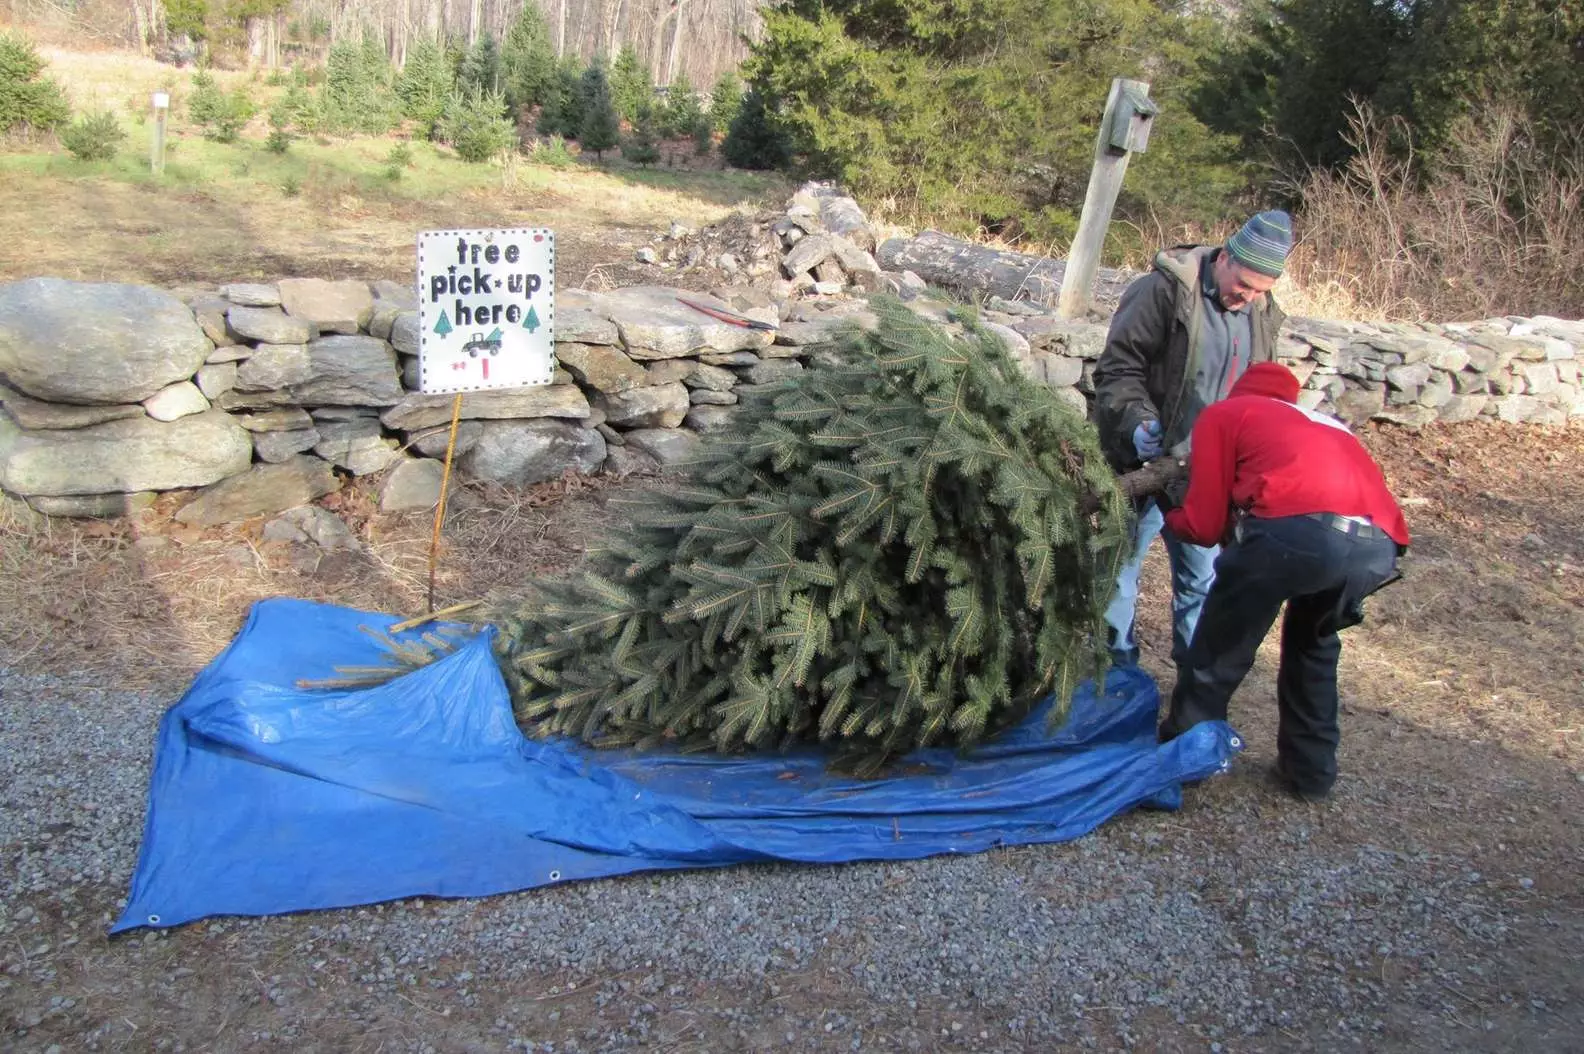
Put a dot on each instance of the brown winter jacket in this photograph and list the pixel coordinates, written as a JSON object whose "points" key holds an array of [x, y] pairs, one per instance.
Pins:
{"points": [[1152, 349]]}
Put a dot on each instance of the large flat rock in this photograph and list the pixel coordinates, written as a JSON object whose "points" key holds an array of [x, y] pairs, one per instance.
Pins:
{"points": [[88, 343], [598, 366], [268, 325], [262, 490], [350, 371], [660, 406], [425, 411], [36, 414], [655, 325], [123, 457], [334, 307], [524, 452]]}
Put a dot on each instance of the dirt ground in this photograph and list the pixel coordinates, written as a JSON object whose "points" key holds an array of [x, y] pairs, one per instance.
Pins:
{"points": [[1463, 727], [1463, 737], [102, 230]]}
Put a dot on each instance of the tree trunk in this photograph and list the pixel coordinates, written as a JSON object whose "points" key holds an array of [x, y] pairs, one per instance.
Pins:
{"points": [[676, 40], [966, 268], [254, 26], [143, 20], [613, 32], [1153, 477], [561, 31]]}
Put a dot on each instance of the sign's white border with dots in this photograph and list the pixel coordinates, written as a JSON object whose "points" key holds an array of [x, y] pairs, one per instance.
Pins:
{"points": [[531, 355]]}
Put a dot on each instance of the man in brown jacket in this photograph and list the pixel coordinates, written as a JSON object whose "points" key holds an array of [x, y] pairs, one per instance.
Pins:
{"points": [[1181, 337]]}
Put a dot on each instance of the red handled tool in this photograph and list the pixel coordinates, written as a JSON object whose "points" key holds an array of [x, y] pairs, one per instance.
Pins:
{"points": [[727, 316]]}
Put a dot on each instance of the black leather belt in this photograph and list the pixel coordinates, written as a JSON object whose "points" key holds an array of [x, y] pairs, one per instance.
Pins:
{"points": [[1356, 526]]}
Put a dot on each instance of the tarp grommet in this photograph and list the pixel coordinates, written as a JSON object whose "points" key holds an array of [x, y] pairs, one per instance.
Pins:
{"points": [[555, 876], [154, 920]]}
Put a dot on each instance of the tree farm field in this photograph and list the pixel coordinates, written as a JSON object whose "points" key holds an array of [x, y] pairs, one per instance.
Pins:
{"points": [[1437, 903], [325, 208]]}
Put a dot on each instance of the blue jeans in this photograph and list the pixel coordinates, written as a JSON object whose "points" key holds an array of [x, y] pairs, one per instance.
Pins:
{"points": [[1192, 571]]}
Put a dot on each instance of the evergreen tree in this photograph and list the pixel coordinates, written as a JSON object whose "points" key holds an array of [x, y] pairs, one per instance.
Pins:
{"points": [[1285, 78], [220, 115], [913, 545], [984, 115], [725, 100], [475, 123], [425, 85], [1292, 67], [93, 136], [481, 68], [187, 18], [629, 84], [703, 136], [356, 95], [682, 109], [528, 62], [642, 147], [599, 127], [297, 111], [754, 139], [562, 111], [27, 98]]}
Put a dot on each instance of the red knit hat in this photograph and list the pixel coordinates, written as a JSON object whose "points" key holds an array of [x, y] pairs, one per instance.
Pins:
{"points": [[1270, 379]]}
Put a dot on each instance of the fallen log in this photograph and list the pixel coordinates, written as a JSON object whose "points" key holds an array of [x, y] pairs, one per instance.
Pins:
{"points": [[966, 268]]}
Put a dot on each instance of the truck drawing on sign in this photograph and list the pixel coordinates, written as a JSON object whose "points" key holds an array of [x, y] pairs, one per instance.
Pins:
{"points": [[491, 344]]}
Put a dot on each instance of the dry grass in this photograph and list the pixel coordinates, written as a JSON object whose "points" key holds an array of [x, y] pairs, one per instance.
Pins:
{"points": [[233, 220], [1493, 226], [325, 208], [146, 601], [123, 82]]}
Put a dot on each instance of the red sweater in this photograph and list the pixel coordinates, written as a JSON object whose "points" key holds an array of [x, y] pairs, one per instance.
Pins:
{"points": [[1260, 452]]}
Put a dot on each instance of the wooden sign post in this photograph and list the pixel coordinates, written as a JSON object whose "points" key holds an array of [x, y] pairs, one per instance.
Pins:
{"points": [[486, 315], [1124, 131]]}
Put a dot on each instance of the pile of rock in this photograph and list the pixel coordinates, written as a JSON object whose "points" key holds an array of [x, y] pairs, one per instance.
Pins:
{"points": [[822, 244], [263, 397]]}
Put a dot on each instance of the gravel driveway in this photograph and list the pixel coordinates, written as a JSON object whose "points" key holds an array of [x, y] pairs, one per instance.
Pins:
{"points": [[1436, 904], [1244, 922]]}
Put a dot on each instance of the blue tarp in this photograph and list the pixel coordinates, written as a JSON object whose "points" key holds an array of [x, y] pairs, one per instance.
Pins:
{"points": [[267, 798]]}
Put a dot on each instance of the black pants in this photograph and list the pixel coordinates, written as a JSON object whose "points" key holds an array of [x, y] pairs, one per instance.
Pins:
{"points": [[1323, 575]]}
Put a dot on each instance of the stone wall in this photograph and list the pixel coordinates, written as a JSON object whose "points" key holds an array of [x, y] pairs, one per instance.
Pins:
{"points": [[259, 398], [1521, 370], [262, 397]]}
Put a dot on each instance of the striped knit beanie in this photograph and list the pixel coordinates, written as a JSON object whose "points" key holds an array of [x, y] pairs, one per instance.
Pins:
{"points": [[1263, 243]]}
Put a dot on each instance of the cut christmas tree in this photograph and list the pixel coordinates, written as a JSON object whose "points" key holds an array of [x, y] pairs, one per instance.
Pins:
{"points": [[907, 544]]}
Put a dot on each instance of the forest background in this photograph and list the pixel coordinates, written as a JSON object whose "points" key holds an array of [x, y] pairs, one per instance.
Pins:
{"points": [[1431, 149]]}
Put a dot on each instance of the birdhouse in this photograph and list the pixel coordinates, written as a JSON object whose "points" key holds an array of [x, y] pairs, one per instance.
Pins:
{"points": [[1130, 122]]}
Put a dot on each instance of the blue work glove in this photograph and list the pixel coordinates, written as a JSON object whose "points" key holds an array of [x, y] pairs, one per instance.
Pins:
{"points": [[1147, 440]]}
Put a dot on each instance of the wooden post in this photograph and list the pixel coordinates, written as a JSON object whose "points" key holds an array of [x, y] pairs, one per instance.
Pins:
{"points": [[445, 486], [1105, 180], [157, 151]]}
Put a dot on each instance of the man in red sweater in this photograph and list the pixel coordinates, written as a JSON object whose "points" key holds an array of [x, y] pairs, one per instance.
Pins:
{"points": [[1306, 519]]}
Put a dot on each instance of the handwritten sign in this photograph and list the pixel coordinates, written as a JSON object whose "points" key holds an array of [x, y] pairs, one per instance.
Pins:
{"points": [[486, 309]]}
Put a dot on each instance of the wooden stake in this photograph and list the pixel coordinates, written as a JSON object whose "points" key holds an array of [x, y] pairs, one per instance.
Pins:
{"points": [[445, 485], [1105, 180]]}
